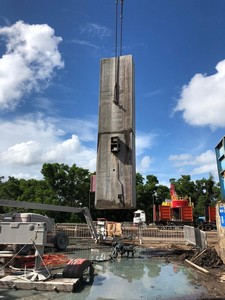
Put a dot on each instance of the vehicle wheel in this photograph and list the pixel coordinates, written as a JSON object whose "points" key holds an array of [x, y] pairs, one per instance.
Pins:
{"points": [[2, 247], [208, 228], [201, 227], [61, 241], [22, 249]]}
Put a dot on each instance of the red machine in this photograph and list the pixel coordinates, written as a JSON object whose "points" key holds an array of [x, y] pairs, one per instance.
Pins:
{"points": [[176, 211], [179, 211]]}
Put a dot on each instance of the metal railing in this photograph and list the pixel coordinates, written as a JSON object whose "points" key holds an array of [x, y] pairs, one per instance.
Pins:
{"points": [[136, 233], [195, 236], [156, 234], [75, 230]]}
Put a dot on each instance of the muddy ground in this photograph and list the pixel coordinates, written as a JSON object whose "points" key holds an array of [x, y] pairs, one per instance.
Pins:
{"points": [[212, 273]]}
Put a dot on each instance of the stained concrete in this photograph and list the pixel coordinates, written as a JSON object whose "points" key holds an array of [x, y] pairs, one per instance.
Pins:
{"points": [[57, 284], [116, 170]]}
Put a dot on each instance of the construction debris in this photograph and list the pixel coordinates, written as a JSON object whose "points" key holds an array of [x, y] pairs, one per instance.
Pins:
{"points": [[208, 258]]}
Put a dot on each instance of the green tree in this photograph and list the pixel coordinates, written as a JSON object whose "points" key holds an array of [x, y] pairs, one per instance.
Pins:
{"points": [[140, 191], [147, 194], [70, 184], [10, 189], [163, 192], [38, 191], [206, 194]]}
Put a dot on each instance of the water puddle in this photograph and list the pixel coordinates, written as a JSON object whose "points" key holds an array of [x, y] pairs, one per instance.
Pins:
{"points": [[141, 277]]}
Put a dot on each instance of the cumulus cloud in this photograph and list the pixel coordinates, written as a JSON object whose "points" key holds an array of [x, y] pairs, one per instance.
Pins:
{"points": [[29, 62], [34, 141], [27, 153], [202, 100], [181, 159], [144, 141], [143, 166], [86, 128], [203, 163]]}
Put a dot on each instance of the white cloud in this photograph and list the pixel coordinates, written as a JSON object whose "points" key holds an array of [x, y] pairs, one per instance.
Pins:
{"points": [[181, 159], [204, 163], [29, 142], [31, 57], [27, 153], [153, 93], [206, 157], [86, 129], [96, 30], [143, 167], [85, 43], [202, 101], [144, 141], [93, 36]]}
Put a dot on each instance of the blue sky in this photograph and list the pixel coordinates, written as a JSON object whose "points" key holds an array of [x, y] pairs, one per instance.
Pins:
{"points": [[50, 54]]}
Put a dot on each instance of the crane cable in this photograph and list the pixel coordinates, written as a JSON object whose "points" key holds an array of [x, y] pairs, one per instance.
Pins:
{"points": [[117, 76], [121, 26], [116, 28], [117, 57], [121, 29]]}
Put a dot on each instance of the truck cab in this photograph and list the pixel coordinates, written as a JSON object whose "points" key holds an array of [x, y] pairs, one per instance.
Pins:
{"points": [[139, 217]]}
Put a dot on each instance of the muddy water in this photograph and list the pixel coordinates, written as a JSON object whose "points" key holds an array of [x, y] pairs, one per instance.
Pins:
{"points": [[142, 277]]}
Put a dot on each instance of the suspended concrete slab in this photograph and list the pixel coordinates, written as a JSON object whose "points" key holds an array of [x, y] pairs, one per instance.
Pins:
{"points": [[116, 169]]}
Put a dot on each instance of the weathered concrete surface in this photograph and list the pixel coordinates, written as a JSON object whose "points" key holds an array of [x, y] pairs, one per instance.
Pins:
{"points": [[58, 284], [116, 170], [221, 233]]}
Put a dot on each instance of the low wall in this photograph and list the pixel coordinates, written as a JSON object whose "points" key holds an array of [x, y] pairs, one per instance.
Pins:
{"points": [[220, 222]]}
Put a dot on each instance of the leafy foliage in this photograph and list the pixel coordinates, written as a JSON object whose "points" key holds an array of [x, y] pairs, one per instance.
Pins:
{"points": [[70, 186]]}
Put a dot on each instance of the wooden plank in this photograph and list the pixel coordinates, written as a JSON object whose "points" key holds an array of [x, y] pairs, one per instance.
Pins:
{"points": [[196, 266], [199, 254]]}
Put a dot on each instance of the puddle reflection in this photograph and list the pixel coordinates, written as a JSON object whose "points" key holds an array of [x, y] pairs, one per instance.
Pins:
{"points": [[128, 278]]}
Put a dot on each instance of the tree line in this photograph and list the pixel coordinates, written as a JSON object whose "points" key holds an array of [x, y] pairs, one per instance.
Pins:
{"points": [[70, 186]]}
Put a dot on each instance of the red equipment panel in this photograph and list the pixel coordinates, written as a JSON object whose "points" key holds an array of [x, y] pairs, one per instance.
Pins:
{"points": [[165, 213], [179, 203], [187, 213], [212, 213]]}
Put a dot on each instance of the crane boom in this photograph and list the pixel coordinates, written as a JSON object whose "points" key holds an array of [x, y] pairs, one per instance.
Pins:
{"points": [[40, 206]]}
